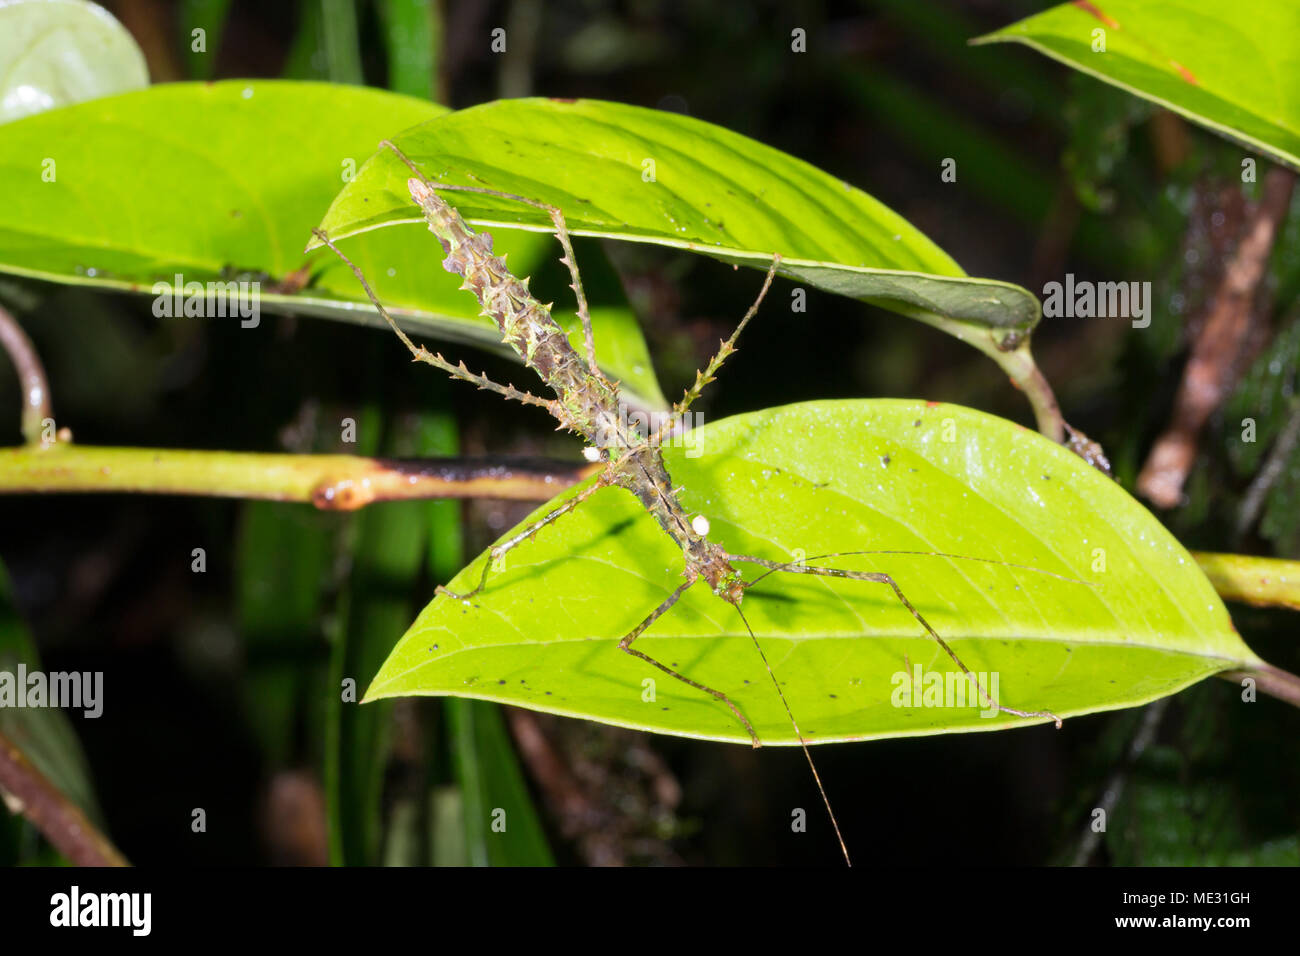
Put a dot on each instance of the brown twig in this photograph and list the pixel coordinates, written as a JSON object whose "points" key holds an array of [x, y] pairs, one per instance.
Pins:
{"points": [[611, 794], [1114, 789], [31, 376], [61, 820], [563, 792], [1211, 370], [1271, 680], [1269, 473]]}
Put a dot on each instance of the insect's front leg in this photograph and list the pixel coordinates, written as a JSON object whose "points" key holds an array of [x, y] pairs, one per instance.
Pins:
{"points": [[419, 353], [876, 577], [514, 540]]}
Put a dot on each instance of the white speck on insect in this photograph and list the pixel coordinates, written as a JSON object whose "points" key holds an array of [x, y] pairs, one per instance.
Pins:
{"points": [[591, 454], [700, 524]]}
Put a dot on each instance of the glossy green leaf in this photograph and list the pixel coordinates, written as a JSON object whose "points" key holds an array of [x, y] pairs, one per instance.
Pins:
{"points": [[56, 52], [1229, 67], [120, 194], [1136, 621], [713, 191]]}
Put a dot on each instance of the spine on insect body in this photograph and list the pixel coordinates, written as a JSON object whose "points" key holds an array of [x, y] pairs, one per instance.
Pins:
{"points": [[585, 404]]}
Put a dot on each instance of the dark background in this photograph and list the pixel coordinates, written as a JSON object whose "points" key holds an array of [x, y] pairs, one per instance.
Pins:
{"points": [[1058, 173]]}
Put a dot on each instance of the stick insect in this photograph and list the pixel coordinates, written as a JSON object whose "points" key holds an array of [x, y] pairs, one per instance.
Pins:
{"points": [[587, 403]]}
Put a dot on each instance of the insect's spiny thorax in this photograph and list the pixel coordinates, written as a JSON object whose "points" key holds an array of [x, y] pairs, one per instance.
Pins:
{"points": [[646, 476], [586, 404]]}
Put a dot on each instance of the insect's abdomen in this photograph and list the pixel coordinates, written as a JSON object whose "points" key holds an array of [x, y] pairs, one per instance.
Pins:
{"points": [[645, 475]]}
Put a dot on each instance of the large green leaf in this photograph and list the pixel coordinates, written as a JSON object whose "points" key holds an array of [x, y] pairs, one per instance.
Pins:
{"points": [[713, 191], [138, 197], [56, 52], [1229, 67], [839, 476]]}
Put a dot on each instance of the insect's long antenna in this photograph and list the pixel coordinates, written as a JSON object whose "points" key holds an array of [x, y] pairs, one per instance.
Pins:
{"points": [[926, 554], [793, 723], [388, 144]]}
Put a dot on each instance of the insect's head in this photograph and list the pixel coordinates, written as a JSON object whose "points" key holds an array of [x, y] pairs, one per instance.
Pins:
{"points": [[726, 580], [442, 219]]}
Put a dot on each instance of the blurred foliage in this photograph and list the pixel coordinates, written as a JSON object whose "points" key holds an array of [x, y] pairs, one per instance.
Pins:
{"points": [[224, 680], [46, 736]]}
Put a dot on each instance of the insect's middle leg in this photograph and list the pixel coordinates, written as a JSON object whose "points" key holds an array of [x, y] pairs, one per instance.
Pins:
{"points": [[418, 352], [500, 549], [876, 577], [626, 645], [584, 313], [704, 376]]}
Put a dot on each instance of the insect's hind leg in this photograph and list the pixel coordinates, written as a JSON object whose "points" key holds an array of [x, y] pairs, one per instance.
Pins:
{"points": [[626, 645], [876, 577], [561, 233], [517, 539]]}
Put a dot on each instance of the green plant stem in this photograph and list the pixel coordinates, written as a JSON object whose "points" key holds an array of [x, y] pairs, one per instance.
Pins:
{"points": [[1016, 360], [1264, 582], [330, 482], [1026, 376], [347, 482]]}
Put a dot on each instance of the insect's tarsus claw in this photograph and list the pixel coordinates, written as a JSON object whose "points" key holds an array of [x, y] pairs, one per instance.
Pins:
{"points": [[1032, 713], [463, 598]]}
